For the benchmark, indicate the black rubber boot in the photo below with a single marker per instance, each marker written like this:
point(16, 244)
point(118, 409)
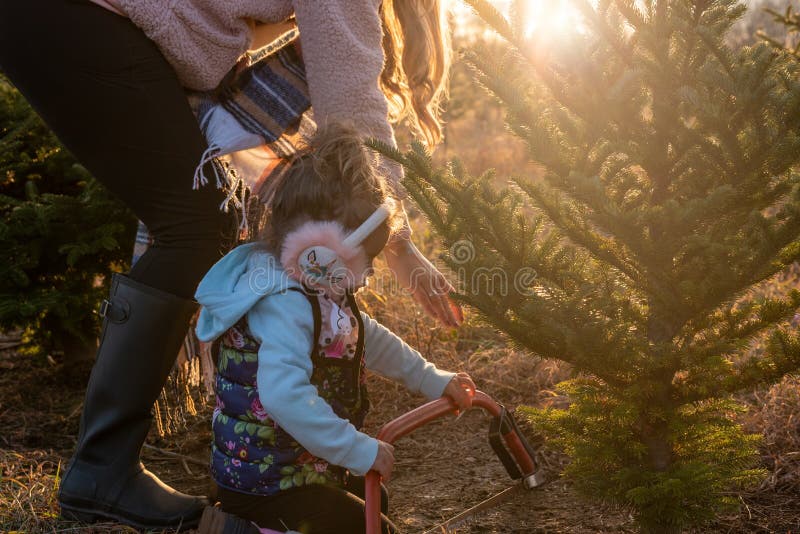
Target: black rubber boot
point(215, 521)
point(143, 328)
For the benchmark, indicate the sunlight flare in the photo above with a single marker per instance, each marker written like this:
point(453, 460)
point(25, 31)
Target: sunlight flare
point(550, 17)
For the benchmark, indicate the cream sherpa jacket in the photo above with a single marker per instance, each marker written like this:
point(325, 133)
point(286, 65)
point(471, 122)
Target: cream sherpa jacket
point(341, 41)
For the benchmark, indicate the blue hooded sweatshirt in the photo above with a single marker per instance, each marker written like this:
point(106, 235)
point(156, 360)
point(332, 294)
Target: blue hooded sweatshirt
point(250, 283)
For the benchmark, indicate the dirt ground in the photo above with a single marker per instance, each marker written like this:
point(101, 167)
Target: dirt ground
point(441, 469)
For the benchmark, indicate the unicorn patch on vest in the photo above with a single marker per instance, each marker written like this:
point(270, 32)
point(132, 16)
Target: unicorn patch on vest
point(341, 332)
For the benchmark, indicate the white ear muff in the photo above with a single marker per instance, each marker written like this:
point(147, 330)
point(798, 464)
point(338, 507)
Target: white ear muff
point(357, 236)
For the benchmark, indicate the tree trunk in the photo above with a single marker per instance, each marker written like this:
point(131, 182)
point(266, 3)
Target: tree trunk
point(655, 433)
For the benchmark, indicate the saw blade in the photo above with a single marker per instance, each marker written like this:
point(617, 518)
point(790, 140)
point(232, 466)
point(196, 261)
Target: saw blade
point(470, 513)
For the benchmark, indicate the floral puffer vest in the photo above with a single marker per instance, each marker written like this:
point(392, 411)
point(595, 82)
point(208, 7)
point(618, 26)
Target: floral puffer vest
point(251, 453)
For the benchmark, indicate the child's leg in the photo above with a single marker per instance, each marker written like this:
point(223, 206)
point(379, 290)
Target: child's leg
point(357, 486)
point(315, 509)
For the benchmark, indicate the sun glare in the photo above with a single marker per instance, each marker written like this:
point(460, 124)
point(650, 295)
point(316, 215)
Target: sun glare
point(550, 17)
point(540, 18)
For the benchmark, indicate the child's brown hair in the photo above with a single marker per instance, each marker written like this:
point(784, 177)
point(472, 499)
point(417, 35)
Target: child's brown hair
point(334, 178)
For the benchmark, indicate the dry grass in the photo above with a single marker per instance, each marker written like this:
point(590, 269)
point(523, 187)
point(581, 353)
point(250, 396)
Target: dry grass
point(28, 496)
point(776, 414)
point(27, 490)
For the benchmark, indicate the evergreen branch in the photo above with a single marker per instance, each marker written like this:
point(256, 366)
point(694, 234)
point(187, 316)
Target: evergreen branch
point(774, 256)
point(612, 37)
point(712, 44)
point(452, 205)
point(417, 165)
point(517, 16)
point(782, 357)
point(545, 343)
point(494, 78)
point(385, 149)
point(19, 128)
point(728, 330)
point(491, 16)
point(632, 13)
point(497, 238)
point(511, 91)
point(568, 220)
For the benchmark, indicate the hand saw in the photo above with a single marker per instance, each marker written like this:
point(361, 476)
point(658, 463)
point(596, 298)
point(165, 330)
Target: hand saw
point(506, 440)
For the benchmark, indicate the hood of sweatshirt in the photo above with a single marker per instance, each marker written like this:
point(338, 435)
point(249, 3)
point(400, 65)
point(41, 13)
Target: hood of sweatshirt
point(234, 284)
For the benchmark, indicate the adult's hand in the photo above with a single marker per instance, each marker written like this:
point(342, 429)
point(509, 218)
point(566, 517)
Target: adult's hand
point(428, 286)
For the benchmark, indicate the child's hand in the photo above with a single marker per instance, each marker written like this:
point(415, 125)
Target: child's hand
point(461, 389)
point(384, 462)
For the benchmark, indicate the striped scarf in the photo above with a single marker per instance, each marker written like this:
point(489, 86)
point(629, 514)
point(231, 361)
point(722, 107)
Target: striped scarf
point(255, 124)
point(253, 127)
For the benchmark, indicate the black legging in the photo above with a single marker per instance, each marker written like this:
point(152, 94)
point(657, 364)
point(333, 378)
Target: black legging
point(314, 509)
point(115, 102)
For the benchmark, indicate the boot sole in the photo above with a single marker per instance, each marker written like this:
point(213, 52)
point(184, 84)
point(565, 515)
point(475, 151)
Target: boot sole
point(88, 515)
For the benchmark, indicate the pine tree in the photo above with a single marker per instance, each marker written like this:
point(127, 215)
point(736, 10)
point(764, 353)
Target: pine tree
point(668, 196)
point(61, 234)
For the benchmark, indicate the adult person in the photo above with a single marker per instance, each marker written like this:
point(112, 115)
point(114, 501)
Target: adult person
point(108, 76)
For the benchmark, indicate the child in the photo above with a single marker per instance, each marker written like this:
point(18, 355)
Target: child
point(287, 451)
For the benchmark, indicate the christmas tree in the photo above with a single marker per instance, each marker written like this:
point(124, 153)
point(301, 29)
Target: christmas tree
point(666, 197)
point(61, 235)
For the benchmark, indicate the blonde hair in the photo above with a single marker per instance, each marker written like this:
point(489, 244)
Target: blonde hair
point(333, 178)
point(417, 50)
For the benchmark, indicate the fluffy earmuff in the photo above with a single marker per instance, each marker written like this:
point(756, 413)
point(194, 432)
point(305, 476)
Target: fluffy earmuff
point(318, 253)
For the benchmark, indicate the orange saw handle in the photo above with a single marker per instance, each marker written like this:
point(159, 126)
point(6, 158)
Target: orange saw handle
point(519, 463)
